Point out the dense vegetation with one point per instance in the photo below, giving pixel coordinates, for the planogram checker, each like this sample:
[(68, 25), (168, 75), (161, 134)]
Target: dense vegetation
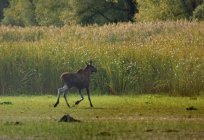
[(140, 58), (62, 12), (151, 10)]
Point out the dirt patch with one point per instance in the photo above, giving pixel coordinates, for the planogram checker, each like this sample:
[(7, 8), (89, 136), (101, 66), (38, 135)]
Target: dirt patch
[(104, 133)]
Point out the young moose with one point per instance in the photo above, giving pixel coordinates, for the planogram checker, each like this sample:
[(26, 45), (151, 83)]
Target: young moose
[(80, 80)]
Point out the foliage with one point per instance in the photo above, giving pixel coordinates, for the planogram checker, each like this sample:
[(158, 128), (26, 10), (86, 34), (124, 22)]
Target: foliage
[(61, 12), (37, 12), (104, 11), (140, 58), (151, 10), (19, 12), (3, 4), (198, 14), (190, 6), (85, 12), (51, 12)]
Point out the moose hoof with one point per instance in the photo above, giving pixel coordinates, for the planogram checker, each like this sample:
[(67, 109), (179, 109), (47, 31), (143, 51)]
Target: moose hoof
[(55, 105), (68, 105), (77, 102)]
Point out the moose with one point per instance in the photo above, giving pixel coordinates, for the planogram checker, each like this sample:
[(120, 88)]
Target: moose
[(79, 80)]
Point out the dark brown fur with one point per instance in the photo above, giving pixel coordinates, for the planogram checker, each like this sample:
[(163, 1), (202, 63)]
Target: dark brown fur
[(79, 80)]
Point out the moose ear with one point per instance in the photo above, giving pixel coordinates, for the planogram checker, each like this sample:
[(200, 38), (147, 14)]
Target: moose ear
[(90, 62)]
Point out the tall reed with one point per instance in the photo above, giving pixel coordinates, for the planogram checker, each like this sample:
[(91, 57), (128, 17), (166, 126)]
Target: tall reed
[(137, 58)]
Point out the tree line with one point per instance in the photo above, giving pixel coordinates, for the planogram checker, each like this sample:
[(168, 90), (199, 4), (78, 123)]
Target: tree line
[(61, 12)]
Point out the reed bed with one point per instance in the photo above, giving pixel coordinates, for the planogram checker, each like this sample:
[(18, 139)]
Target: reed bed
[(131, 58)]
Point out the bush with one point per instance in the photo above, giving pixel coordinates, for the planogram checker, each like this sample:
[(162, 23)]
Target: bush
[(51, 12), (104, 11), (151, 10), (198, 13), (20, 13)]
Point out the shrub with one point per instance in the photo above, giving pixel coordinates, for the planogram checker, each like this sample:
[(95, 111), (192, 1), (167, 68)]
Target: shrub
[(198, 14), (19, 12)]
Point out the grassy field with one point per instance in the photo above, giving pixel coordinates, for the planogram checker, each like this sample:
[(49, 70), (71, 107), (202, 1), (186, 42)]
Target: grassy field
[(140, 58), (113, 117)]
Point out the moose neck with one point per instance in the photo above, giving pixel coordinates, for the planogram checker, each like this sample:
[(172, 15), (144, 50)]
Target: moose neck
[(87, 72)]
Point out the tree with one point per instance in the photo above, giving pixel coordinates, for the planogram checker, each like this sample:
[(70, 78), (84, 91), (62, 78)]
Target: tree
[(51, 12), (104, 11), (20, 13), (190, 6), (198, 13), (3, 4), (151, 10)]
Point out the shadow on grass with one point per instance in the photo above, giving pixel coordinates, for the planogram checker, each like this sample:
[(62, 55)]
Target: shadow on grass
[(99, 108), (6, 103)]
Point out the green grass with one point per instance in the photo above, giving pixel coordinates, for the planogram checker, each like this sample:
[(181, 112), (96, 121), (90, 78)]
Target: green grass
[(113, 117)]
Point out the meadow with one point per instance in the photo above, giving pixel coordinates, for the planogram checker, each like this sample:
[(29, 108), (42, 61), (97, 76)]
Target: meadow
[(149, 83), (157, 57), (112, 117)]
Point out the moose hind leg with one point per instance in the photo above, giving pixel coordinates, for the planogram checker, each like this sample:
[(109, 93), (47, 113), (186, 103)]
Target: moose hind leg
[(60, 91), (82, 98)]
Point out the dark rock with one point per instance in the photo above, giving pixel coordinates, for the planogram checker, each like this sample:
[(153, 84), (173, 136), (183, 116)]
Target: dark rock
[(149, 130), (17, 123), (191, 108), (68, 118)]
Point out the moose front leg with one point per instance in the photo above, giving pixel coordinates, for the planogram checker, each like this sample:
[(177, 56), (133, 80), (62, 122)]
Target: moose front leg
[(65, 94), (88, 93), (82, 98)]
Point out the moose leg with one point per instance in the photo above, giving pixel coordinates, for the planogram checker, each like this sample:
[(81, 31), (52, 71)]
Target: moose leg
[(88, 93), (60, 91), (65, 97), (82, 98)]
